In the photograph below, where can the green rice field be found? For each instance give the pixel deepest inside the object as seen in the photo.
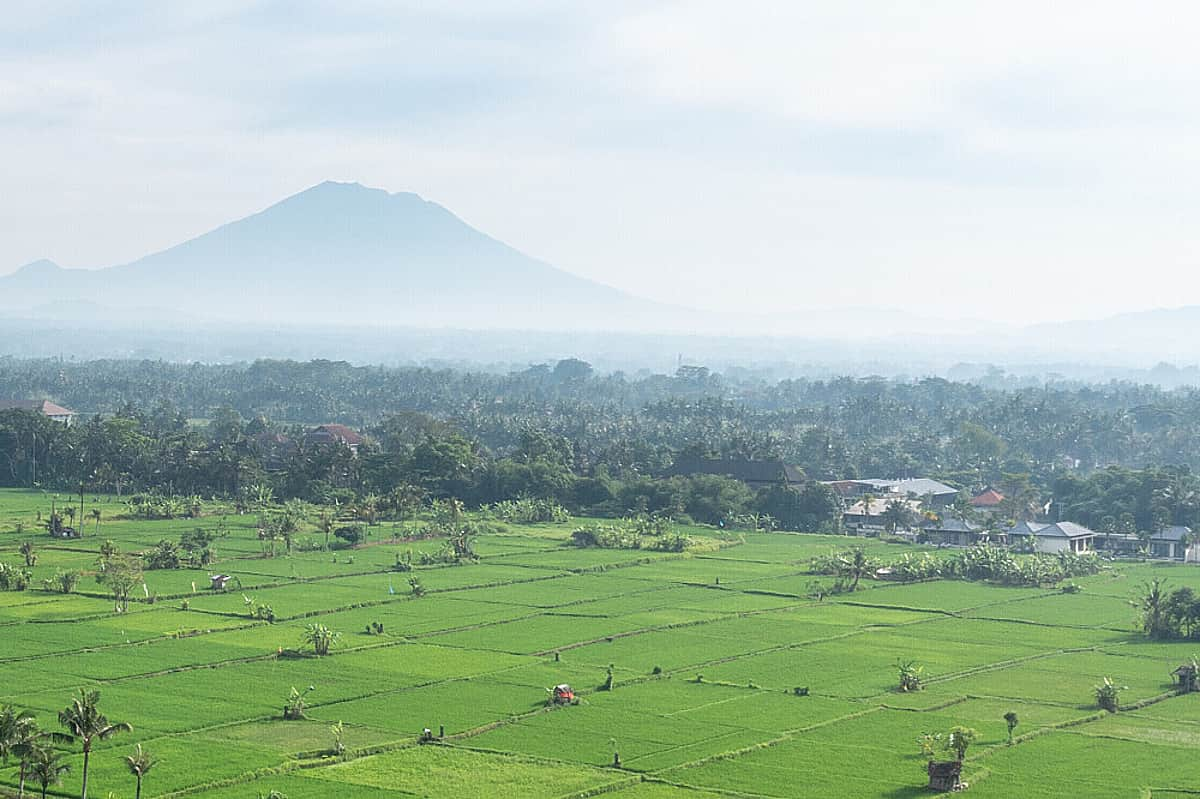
(706, 651)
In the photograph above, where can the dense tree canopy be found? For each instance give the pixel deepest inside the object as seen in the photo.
(1114, 456)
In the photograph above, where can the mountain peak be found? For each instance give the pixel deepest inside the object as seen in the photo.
(41, 265)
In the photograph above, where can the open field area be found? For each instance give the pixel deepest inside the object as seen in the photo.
(705, 652)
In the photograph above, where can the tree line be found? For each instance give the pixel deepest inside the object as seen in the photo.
(1117, 456)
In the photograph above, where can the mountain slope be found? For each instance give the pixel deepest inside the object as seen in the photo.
(342, 253)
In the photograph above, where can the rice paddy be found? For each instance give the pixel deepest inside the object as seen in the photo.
(724, 678)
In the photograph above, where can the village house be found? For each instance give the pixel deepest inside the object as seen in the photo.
(987, 500)
(328, 435)
(45, 407)
(936, 494)
(954, 532)
(871, 519)
(755, 474)
(1052, 538)
(1174, 543)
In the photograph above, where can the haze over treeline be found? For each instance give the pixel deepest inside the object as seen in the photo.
(345, 271)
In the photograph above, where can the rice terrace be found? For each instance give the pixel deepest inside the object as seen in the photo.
(739, 667)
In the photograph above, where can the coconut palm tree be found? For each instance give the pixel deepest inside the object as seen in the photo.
(16, 729)
(83, 719)
(855, 565)
(13, 728)
(28, 743)
(46, 768)
(139, 764)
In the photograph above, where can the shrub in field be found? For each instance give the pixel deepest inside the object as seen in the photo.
(643, 532)
(350, 535)
(1000, 565)
(929, 743)
(418, 590)
(911, 568)
(338, 731)
(63, 581)
(27, 552)
(258, 611)
(321, 638)
(13, 578)
(295, 707)
(959, 739)
(165, 555)
(197, 545)
(530, 511)
(1108, 695)
(911, 676)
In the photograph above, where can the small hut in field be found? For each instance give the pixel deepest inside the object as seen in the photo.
(1187, 677)
(945, 775)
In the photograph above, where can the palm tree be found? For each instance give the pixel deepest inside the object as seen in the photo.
(139, 763)
(855, 565)
(13, 725)
(95, 514)
(1153, 605)
(16, 727)
(28, 743)
(47, 769)
(86, 723)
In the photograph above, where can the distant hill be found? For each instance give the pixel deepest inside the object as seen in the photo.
(339, 253)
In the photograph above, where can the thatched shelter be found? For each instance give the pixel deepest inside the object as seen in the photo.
(945, 775)
(1187, 677)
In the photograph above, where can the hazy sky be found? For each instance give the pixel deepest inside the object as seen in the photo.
(1011, 160)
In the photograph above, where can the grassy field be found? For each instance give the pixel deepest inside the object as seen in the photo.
(705, 651)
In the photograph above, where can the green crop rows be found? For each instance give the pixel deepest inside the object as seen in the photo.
(705, 651)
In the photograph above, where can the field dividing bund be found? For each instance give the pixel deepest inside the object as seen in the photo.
(697, 676)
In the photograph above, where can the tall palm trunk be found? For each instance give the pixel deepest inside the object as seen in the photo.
(87, 753)
(138, 795)
(21, 782)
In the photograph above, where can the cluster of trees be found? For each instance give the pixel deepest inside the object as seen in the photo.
(595, 443)
(1169, 614)
(982, 562)
(38, 753)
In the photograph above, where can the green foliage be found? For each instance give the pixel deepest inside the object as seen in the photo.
(911, 676)
(1011, 721)
(642, 532)
(338, 731)
(958, 739)
(14, 578)
(296, 706)
(320, 638)
(64, 581)
(1108, 695)
(530, 511)
(351, 535)
(165, 555)
(929, 743)
(120, 574)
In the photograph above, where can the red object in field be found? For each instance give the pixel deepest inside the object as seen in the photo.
(563, 694)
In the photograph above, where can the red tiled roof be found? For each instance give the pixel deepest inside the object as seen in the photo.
(43, 406)
(336, 432)
(987, 499)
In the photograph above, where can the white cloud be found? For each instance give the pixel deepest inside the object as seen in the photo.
(985, 156)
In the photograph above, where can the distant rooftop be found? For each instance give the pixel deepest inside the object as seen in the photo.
(45, 407)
